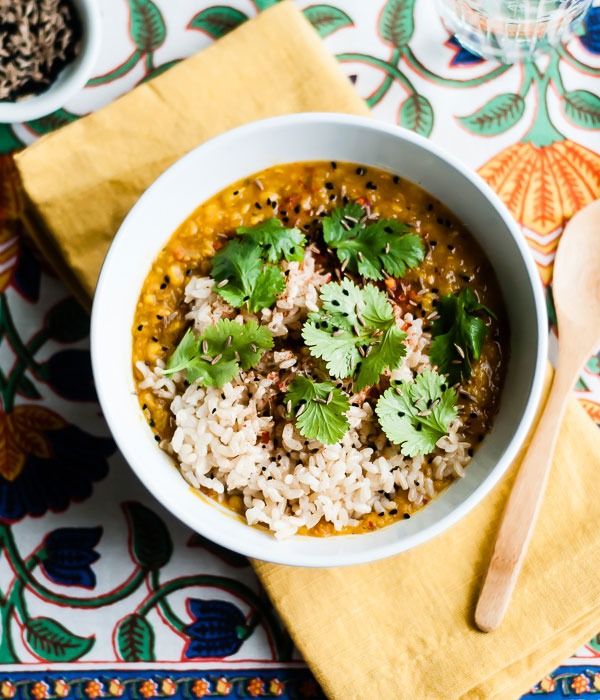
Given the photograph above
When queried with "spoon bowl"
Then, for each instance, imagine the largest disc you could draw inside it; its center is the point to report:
(576, 284)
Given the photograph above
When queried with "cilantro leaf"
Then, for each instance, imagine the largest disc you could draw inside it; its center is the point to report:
(385, 354)
(342, 300)
(320, 410)
(248, 341)
(416, 414)
(355, 330)
(338, 350)
(369, 248)
(276, 241)
(458, 326)
(187, 348)
(215, 357)
(245, 279)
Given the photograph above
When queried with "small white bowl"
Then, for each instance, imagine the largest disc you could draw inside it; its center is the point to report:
(309, 137)
(72, 77)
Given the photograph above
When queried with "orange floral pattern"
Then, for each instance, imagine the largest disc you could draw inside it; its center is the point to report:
(93, 689)
(543, 186)
(580, 684)
(200, 688)
(22, 433)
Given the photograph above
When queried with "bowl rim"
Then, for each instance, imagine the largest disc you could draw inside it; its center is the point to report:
(60, 91)
(278, 554)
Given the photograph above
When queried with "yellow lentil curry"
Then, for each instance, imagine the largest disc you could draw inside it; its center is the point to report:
(300, 195)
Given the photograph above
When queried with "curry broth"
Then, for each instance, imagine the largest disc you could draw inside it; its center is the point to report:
(297, 193)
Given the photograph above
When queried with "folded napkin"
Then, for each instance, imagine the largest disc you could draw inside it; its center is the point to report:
(402, 628)
(81, 181)
(395, 629)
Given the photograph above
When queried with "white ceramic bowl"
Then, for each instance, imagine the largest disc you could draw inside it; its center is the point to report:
(72, 77)
(306, 137)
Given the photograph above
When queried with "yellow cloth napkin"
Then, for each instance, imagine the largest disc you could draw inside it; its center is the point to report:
(81, 181)
(396, 629)
(402, 628)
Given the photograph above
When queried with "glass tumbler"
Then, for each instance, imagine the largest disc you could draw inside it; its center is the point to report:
(511, 30)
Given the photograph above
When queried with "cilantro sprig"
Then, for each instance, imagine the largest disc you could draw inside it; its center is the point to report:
(275, 240)
(458, 334)
(367, 248)
(216, 356)
(320, 410)
(416, 414)
(355, 333)
(245, 268)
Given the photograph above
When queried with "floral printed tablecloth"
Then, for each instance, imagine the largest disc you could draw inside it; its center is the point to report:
(101, 592)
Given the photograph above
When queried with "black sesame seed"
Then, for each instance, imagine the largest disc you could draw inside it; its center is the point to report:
(151, 423)
(401, 414)
(440, 220)
(435, 290)
(236, 192)
(345, 292)
(396, 179)
(332, 197)
(144, 406)
(418, 427)
(188, 272)
(329, 185)
(472, 414)
(297, 209)
(274, 205)
(433, 243)
(163, 286)
(258, 205)
(371, 185)
(393, 511)
(157, 438)
(214, 411)
(388, 229)
(292, 250)
(406, 516)
(360, 171)
(429, 207)
(159, 317)
(451, 248)
(334, 164)
(283, 212)
(345, 199)
(470, 452)
(443, 387)
(335, 302)
(140, 327)
(285, 219)
(154, 339)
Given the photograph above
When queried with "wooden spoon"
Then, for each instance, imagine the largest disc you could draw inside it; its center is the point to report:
(576, 289)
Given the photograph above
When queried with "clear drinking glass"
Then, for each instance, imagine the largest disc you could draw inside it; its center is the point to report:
(511, 30)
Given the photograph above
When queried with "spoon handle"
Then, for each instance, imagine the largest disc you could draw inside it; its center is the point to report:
(523, 506)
